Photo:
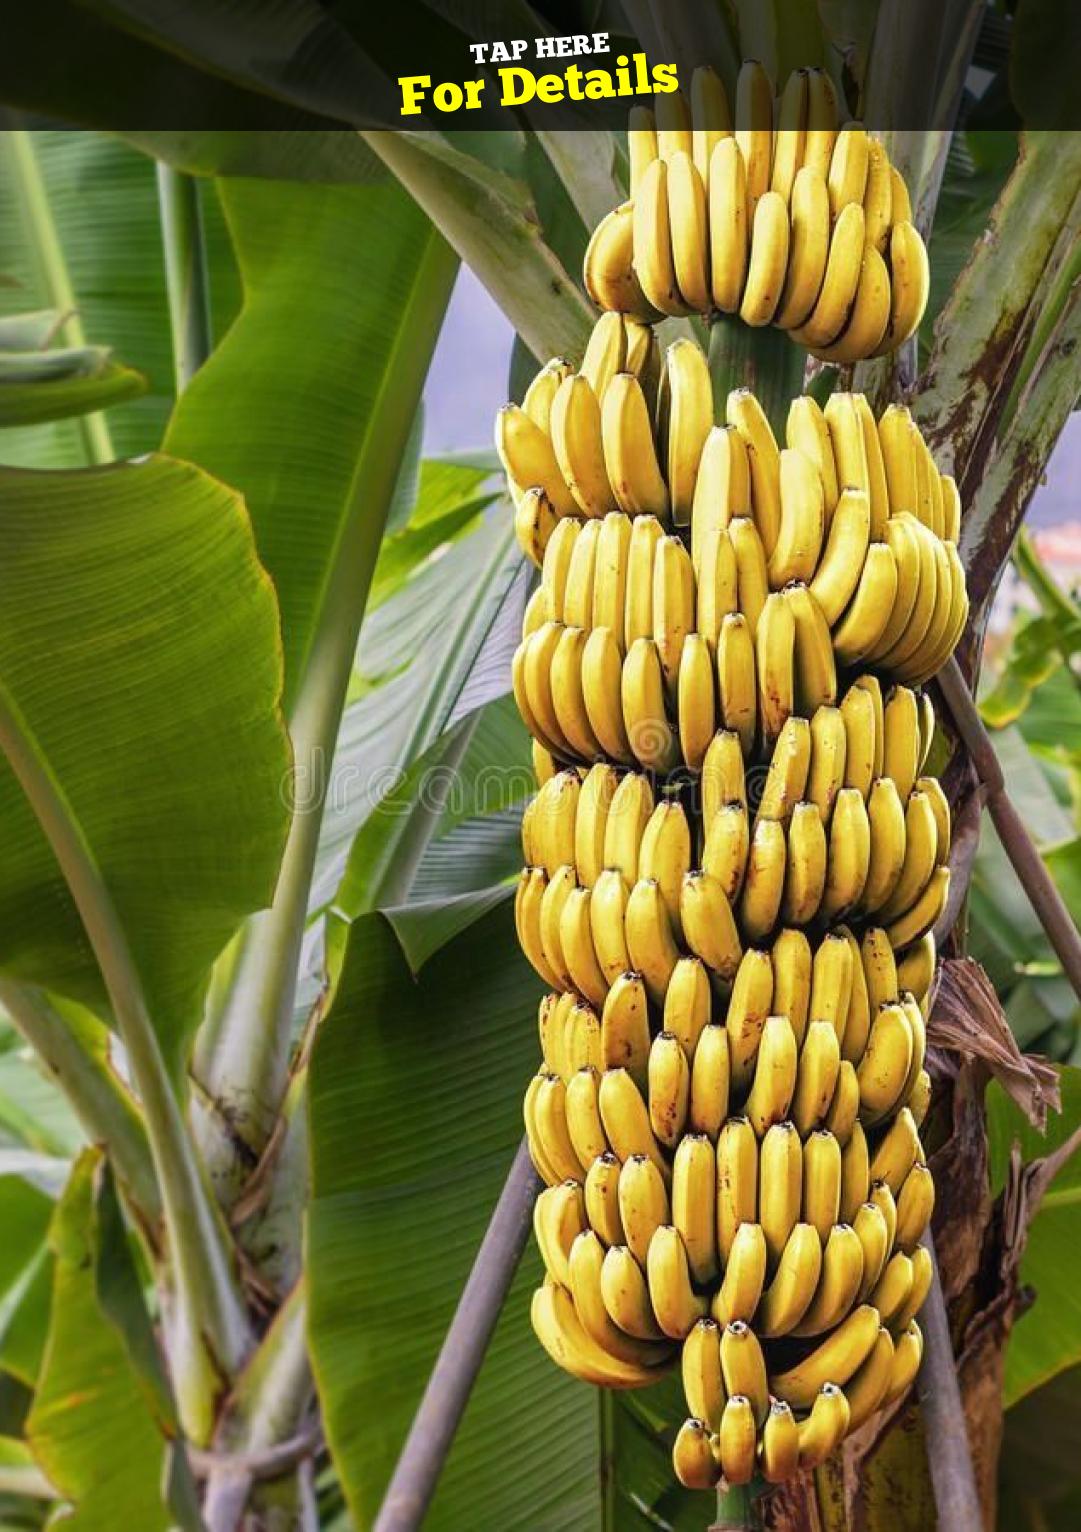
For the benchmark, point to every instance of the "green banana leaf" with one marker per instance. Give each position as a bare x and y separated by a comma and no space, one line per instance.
142,672
25,403
104,203
1047,1338
408,1156
307,404
91,1394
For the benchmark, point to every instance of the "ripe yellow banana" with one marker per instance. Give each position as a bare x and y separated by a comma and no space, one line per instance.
835,1359
607,912
700,1367
568,695
805,870
559,1216
598,791
916,967
608,268
696,700
581,574
922,916
869,317
576,944
786,777
665,853
744,1276
736,1441
861,740
849,854
822,120
710,1080
673,119
768,261
675,1303
908,639
535,521
879,969
694,1461
919,1042
907,1356
587,1135
845,1107
604,356
807,431
554,820
673,606
688,1003
819,1065
723,778
582,1039
709,927
550,1018
922,1276
737,688
711,120
626,1296
921,847
722,489
774,1081
748,1006
555,896
802,523
764,883
780,1184
630,458
837,293
866,1390
575,426
884,1067
893,1288
815,662
585,1266
654,262
529,459
779,1451
872,1231
863,623
792,964
951,509
752,573
878,196
737,1181
831,981
556,567
694,1201
829,751
650,942
910,280
855,1174
915,1204
643,1204
896,432
532,885
729,225
775,644
652,739
549,1124
668,1091
791,133
825,1427
849,165
689,421
625,1037
743,1367
747,415
626,1122
838,573
821,1182
531,680
789,1295
754,127
610,575
725,853
689,230
886,814
809,248
560,1331
897,1152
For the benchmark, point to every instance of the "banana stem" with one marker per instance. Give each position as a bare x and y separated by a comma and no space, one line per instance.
949,1457
186,278
450,1384
737,1509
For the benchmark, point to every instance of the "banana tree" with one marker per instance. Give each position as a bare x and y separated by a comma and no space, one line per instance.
262,782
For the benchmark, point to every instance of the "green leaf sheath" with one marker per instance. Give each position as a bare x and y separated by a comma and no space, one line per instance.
409,1153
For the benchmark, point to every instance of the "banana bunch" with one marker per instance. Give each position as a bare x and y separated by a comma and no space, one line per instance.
790,218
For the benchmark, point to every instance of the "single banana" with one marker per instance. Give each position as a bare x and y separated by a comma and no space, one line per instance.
607,912
665,854
748,1006
792,965
829,754
688,1003
727,847
849,166
559,1216
825,1427
673,606
723,780
838,572
722,489
736,1441
849,854
780,1187
866,1390
908,640
628,812
884,1067
858,1021
630,457
729,225
918,1027
915,1204
651,736
819,1065
694,1461
583,1117
555,896
710,1081
840,283
922,916
737,1181
711,120
895,435
626,1296
789,1295
807,431
861,740
809,249
744,1276
786,777
821,1182
745,413
531,673
893,1288
951,509
882,1198
694,1201
886,814
625,1037
608,268
668,1091
673,119
921,857
555,819
752,571
743,1367
528,458
916,967
907,1356
843,1115
778,1455
689,231
897,1152
700,1366
549,1124
768,261
873,1233
696,700
878,196
791,133
560,1331
754,127
576,944
910,278
864,621
654,262
717,579
581,574
877,483
602,684
855,1174
675,1303
737,689
831,981
535,613
650,941
689,422
646,533
610,575
775,645
822,119
709,926
805,871
770,1096
532,885
598,791
568,695
643,1204
764,883
923,1273
869,317
626,1122
802,525
535,521
835,1359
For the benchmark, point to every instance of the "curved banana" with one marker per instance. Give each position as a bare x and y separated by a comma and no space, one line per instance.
754,127
665,854
737,1181
625,1036
675,1303
910,280
529,459
774,1081
802,522
869,317
568,696
668,1091
737,1440
764,883
844,1111
602,682
907,1356
897,1152
696,700
795,1281
884,1067
747,415
722,489
819,1065
535,521
775,657
855,1174
626,1296
849,854
821,1182
694,1461
792,965
727,847
700,1367
790,133
737,687
584,1119
844,265
744,1276
921,857
646,533
598,789
585,1266
878,196
822,119
608,268
643,1204
829,752
729,225
610,576
650,942
779,1450
607,912
709,927
723,779
866,1390
825,1427
559,1216
689,231
673,606
864,621
602,1198
748,1006
711,121
922,1276
561,1333
630,458
780,1186
873,1233
839,570
654,262
549,1124
651,736
805,870
743,1367
689,421
915,1204
688,1003
809,248
626,1122
694,1202
835,1360
768,260
886,815
532,884
710,1082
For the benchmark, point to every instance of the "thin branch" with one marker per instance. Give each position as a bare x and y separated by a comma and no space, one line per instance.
1030,867
105,1110
210,1329
41,234
186,278
949,1455
436,1421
